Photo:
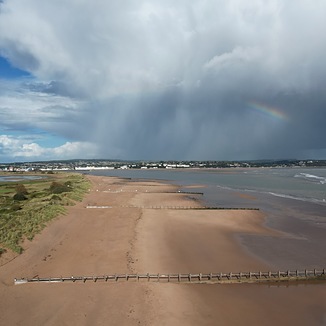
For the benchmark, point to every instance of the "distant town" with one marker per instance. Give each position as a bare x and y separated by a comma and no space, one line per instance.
99,164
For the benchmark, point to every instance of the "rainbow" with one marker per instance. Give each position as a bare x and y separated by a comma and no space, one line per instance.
268,110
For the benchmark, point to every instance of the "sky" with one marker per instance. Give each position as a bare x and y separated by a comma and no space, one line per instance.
162,79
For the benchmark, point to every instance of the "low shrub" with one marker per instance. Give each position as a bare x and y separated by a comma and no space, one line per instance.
56,197
58,188
20,188
19,196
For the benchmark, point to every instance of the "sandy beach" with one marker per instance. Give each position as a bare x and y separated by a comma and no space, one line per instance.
118,229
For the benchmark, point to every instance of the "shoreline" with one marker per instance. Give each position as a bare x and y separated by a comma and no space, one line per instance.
123,239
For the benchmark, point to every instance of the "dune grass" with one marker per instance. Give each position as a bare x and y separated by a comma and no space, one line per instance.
45,199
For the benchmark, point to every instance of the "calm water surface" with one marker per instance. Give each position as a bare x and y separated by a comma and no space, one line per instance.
15,178
300,184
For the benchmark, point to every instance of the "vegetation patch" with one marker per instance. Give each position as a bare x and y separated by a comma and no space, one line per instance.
59,188
26,206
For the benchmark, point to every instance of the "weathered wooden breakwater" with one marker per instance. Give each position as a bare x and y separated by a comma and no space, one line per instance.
178,207
192,207
155,192
241,277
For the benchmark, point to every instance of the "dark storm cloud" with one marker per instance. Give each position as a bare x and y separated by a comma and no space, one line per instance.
188,80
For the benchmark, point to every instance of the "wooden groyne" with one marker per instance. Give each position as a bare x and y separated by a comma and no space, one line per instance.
176,207
241,277
154,192
192,207
183,192
94,206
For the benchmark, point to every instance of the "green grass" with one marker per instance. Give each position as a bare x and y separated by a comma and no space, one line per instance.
23,219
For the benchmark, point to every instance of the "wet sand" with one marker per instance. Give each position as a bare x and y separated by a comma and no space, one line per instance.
302,224
130,238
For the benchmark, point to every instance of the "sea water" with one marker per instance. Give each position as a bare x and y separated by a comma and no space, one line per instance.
294,183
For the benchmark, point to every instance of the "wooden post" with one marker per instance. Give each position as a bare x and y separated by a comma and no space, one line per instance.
148,277
179,277
200,276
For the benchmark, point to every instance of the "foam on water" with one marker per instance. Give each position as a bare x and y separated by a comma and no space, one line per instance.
286,196
311,177
312,200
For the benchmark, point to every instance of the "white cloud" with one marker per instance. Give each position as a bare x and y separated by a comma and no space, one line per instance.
28,104
23,148
238,56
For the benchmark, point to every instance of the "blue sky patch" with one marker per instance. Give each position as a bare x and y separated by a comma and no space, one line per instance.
7,71
50,141
35,135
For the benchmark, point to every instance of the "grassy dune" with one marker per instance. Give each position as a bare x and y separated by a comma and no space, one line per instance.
26,206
